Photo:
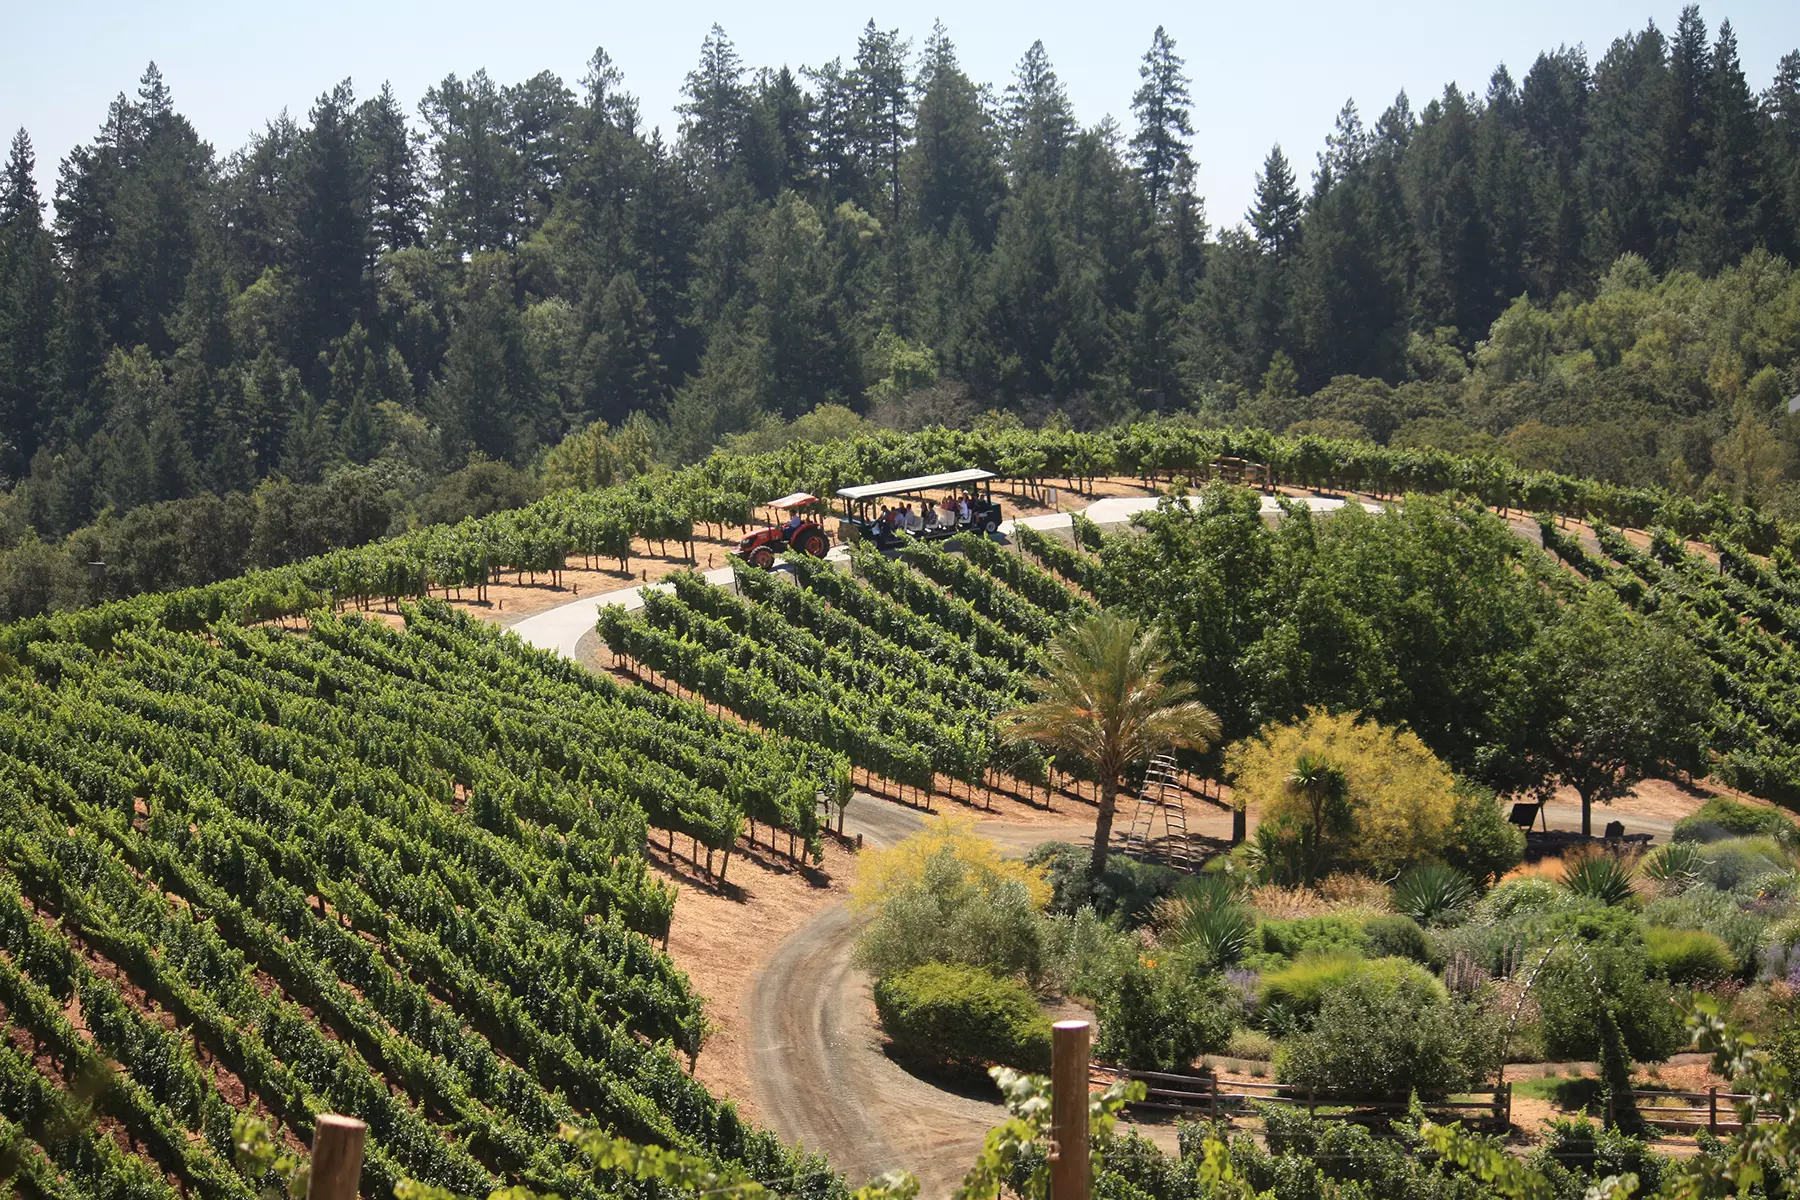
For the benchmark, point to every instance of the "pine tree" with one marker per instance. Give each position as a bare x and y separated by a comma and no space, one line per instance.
388,163
333,239
716,108
881,115
127,468
834,133
778,152
1622,160
538,112
1039,121
28,298
1276,214
1685,129
476,171
173,471
954,166
1781,155
1162,105
1727,209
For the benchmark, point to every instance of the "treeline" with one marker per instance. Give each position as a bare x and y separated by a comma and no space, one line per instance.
879,232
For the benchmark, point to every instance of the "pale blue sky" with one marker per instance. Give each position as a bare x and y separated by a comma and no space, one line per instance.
1262,73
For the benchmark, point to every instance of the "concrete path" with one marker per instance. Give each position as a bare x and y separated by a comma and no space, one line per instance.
562,627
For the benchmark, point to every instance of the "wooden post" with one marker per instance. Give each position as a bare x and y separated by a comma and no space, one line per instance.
1712,1110
337,1154
1069,1110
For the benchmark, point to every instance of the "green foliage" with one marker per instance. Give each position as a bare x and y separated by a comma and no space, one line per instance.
1572,1005
1675,867
1721,818
1161,1017
1739,862
1688,957
1599,877
1297,990
1397,936
948,916
1127,889
1482,844
1314,935
961,1020
1206,920
1432,893
1387,1031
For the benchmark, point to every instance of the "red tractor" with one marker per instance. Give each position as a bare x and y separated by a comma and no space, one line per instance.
800,531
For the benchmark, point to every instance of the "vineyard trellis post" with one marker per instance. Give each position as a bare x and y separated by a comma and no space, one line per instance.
1069,1110
337,1155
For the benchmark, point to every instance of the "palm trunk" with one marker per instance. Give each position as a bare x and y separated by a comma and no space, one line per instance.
1109,801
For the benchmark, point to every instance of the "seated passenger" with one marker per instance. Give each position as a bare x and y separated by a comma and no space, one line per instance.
928,516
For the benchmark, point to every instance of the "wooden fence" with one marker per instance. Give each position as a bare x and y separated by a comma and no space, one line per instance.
1206,1095
1693,1111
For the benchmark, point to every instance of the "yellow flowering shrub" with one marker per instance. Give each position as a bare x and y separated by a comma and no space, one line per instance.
1401,796
881,873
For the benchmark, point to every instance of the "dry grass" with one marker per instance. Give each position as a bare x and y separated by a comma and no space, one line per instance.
1336,895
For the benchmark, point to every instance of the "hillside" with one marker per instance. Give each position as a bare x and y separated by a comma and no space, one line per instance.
266,854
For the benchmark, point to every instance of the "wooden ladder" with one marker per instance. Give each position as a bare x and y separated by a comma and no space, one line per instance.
1161,793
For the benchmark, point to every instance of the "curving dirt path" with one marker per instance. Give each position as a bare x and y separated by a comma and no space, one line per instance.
817,1065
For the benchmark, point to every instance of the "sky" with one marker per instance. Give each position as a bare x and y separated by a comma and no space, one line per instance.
1261,73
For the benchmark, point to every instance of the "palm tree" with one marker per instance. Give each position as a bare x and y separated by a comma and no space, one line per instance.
1323,787
1108,700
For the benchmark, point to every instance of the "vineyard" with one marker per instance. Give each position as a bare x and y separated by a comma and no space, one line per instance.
391,873
899,666
666,510
1744,616
263,854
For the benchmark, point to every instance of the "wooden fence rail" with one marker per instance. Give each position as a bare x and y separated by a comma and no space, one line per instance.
1207,1095
1711,1115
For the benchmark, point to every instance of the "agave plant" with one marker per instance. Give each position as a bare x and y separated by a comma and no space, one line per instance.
1432,892
1205,918
1599,877
1676,867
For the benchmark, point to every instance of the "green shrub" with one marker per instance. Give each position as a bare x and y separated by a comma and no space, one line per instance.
1297,989
1127,889
1718,913
1676,866
1688,957
1645,1009
1386,1032
1599,877
1161,1018
946,917
1721,818
1250,1044
1483,844
961,1019
1432,892
1396,936
1205,920
1738,862
1084,954
1519,898
1310,935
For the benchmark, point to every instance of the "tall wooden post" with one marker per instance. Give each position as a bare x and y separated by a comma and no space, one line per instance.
337,1156
1069,1110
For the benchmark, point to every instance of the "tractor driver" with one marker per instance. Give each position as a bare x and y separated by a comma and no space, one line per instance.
793,524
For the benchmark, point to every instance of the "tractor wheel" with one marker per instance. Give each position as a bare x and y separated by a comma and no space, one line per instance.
762,557
990,525
812,542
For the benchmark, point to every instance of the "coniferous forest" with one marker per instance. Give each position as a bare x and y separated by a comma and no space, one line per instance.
390,313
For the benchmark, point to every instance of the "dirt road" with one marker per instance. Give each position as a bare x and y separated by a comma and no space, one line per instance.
820,1075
